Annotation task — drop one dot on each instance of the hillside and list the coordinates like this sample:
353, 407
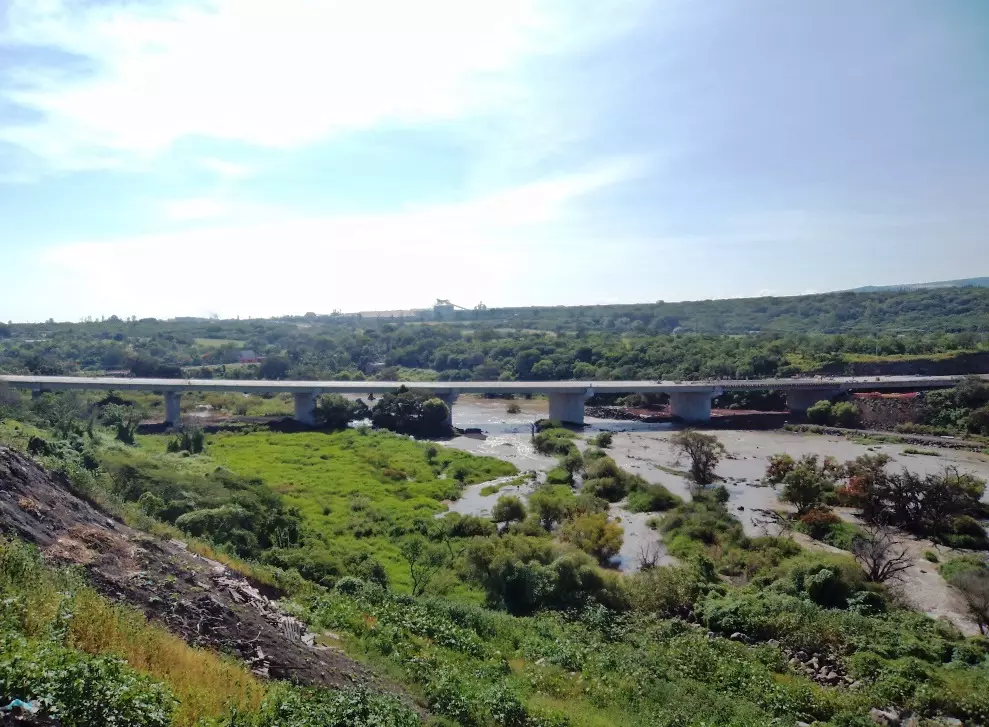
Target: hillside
962, 283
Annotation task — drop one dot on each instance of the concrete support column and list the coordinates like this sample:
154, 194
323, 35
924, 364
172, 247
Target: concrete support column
800, 400
305, 408
449, 399
36, 393
173, 408
567, 408
692, 406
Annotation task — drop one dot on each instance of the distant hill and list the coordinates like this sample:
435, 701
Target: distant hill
963, 283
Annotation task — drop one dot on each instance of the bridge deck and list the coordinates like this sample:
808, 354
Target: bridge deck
847, 383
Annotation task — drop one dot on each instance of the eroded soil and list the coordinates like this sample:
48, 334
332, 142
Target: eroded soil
199, 599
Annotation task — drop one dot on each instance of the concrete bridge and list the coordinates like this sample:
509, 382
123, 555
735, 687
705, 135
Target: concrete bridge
690, 401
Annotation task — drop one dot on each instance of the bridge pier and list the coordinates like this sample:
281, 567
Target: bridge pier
173, 408
692, 406
305, 408
567, 408
799, 401
449, 399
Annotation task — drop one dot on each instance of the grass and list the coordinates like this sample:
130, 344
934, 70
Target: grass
205, 684
361, 490
672, 471
872, 358
924, 452
514, 482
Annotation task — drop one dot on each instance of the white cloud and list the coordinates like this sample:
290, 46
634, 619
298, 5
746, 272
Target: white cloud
195, 208
284, 262
278, 74
226, 169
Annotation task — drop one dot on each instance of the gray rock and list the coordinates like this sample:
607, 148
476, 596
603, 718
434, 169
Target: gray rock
889, 718
952, 722
309, 639
737, 636
773, 642
710, 634
802, 655
910, 720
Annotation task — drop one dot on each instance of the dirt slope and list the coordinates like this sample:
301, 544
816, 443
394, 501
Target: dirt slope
197, 598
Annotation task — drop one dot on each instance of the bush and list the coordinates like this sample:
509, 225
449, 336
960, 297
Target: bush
508, 509
81, 690
651, 498
412, 412
818, 522
333, 411
820, 413
806, 483
845, 414
595, 534
357, 707
602, 440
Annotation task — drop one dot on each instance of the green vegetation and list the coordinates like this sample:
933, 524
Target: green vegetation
358, 491
964, 408
943, 506
602, 440
923, 452
514, 482
88, 661
704, 451
504, 622
713, 339
838, 414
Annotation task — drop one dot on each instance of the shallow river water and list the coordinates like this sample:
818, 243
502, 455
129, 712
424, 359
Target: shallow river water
644, 449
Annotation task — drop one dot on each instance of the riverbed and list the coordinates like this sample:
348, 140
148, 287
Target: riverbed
644, 449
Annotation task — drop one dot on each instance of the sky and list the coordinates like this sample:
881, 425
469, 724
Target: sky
258, 158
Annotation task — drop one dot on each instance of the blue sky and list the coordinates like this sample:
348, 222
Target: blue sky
253, 158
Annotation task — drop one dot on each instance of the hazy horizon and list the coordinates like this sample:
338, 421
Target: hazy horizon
189, 157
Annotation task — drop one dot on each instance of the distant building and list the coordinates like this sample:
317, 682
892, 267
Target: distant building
247, 356
443, 308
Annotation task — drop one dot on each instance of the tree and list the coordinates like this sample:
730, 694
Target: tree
974, 587
704, 452
595, 534
273, 367
508, 509
412, 412
573, 463
424, 560
124, 419
805, 482
880, 555
333, 411
551, 504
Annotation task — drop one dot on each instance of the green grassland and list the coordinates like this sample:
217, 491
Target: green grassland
359, 490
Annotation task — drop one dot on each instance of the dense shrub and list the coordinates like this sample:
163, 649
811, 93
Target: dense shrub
412, 412
595, 534
651, 498
81, 690
334, 411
